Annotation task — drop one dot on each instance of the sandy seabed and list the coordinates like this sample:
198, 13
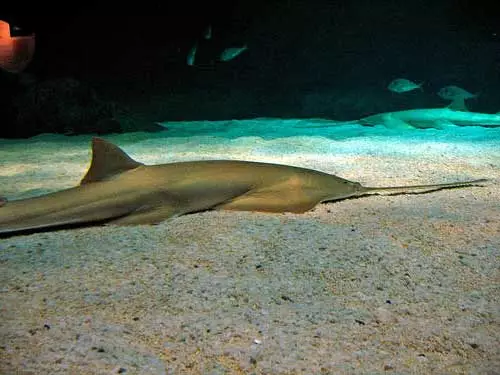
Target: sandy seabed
406, 284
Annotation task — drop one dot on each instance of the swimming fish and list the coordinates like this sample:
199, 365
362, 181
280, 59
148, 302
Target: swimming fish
118, 190
191, 55
208, 32
15, 52
457, 95
401, 85
231, 52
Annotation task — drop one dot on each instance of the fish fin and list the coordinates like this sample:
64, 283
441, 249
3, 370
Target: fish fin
372, 120
458, 105
389, 120
107, 160
443, 124
392, 122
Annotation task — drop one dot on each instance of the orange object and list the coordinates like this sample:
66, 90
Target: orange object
15, 52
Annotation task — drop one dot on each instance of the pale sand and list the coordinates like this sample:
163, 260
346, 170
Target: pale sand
403, 284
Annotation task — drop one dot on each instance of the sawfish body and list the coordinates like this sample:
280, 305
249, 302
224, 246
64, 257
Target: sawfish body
119, 190
423, 118
432, 118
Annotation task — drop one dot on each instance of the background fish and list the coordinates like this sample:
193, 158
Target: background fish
231, 52
208, 33
191, 55
401, 85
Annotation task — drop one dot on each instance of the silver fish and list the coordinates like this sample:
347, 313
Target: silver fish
401, 85
191, 55
231, 52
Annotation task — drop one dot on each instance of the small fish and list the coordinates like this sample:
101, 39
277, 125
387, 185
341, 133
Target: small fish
401, 85
15, 52
231, 52
191, 55
208, 33
457, 96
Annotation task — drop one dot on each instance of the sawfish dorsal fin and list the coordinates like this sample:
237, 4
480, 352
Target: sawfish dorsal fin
458, 105
107, 160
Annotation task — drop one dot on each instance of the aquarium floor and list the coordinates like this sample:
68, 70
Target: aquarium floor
406, 284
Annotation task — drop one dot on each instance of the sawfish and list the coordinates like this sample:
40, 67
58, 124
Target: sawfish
118, 190
423, 118
438, 118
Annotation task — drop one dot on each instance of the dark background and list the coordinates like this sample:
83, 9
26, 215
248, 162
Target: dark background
108, 66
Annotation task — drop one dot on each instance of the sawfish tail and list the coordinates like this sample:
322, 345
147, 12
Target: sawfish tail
417, 189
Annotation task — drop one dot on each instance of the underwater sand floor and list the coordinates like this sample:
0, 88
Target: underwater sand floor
406, 284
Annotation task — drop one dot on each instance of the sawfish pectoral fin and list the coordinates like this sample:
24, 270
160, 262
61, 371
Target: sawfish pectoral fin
268, 203
443, 124
392, 122
286, 196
